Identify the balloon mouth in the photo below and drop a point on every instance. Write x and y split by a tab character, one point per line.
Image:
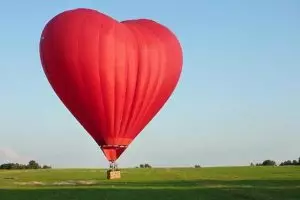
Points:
113	152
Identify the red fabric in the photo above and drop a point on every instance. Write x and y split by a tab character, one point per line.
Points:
113	153
113	76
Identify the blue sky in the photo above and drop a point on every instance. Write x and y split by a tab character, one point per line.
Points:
238	100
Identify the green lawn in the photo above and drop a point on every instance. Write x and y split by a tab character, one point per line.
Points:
223	183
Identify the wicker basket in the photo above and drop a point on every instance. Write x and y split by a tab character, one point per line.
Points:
113	174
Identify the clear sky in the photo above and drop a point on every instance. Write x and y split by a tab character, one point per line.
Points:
238	100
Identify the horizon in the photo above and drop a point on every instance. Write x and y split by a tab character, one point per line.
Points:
237	100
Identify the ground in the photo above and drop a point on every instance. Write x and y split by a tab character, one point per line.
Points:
219	183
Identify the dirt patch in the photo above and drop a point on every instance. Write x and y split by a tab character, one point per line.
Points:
91	182
77	182
30	183
59	183
63	183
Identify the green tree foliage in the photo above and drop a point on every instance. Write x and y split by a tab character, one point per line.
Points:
31	165
273	163
289	162
267	163
145	165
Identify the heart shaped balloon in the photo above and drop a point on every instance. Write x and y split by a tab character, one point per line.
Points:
114	77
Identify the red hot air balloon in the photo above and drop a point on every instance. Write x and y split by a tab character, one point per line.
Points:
114	77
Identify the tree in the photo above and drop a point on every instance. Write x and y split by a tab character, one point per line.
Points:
295	162
46	167
33	165
288	162
147	165
269	163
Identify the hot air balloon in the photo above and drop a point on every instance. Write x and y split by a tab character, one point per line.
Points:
114	77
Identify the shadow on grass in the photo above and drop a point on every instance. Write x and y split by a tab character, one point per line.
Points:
165	190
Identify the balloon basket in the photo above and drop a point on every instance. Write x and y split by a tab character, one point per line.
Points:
113	174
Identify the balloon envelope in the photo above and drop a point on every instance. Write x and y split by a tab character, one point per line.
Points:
112	76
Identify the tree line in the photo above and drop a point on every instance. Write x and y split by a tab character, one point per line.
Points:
273	163
31	165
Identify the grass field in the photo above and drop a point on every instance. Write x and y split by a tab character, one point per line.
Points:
222	183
